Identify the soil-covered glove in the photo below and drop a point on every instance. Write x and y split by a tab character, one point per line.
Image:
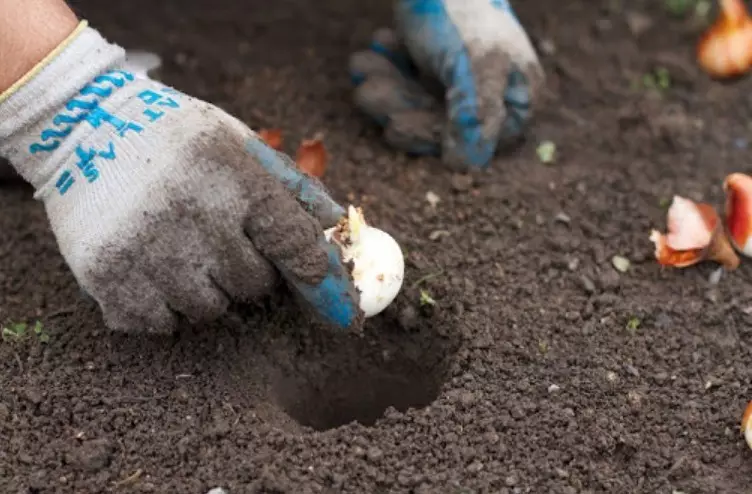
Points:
165	206
457	78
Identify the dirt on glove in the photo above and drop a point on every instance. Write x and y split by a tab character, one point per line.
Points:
516	360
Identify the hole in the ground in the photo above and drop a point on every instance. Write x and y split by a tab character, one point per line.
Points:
344	379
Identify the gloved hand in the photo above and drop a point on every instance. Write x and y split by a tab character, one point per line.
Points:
456	79
163	205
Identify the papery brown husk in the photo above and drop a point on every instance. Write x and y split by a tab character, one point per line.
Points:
720	250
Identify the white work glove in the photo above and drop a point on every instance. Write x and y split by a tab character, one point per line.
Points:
163	205
456	79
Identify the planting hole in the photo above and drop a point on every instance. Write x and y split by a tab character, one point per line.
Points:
355	379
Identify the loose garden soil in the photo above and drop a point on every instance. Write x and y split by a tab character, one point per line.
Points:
539	369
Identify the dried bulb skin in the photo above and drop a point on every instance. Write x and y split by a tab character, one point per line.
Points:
272	137
747	424
725	49
378	265
312	157
695	234
738	188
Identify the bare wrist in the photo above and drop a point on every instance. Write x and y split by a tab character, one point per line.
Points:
29	31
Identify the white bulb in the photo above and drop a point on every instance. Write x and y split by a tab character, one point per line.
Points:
378	263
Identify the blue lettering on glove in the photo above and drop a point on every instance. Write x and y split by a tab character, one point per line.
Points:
63	122
92	113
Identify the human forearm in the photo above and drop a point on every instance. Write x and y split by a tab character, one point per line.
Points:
29	31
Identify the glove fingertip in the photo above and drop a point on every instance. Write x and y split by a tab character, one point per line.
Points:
468	148
335	298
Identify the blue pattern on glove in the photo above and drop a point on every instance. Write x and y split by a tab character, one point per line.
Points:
335	298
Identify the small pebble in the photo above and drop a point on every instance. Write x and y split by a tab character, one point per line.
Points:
461	182
375	454
634	398
554	388
491	437
609	280
432	198
588	328
632	370
715	276
33	395
621	263
638	22
572	316
409	318
437	234
217	490
563	218
91	456
587	284
712	383
562	473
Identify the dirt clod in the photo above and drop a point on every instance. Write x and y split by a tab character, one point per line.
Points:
91	456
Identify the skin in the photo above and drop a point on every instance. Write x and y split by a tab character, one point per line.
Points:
29	31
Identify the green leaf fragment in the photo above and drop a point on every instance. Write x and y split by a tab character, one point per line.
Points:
633	324
14	330
426	299
546	152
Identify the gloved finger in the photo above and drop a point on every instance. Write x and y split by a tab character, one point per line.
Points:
133	304
490	104
367	63
475	109
190	293
417	132
231	271
310	192
380	97
294	243
412	118
526	74
517	100
386	43
335	297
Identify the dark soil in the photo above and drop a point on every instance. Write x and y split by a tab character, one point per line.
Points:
526	376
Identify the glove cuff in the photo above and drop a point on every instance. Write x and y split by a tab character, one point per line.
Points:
42	109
